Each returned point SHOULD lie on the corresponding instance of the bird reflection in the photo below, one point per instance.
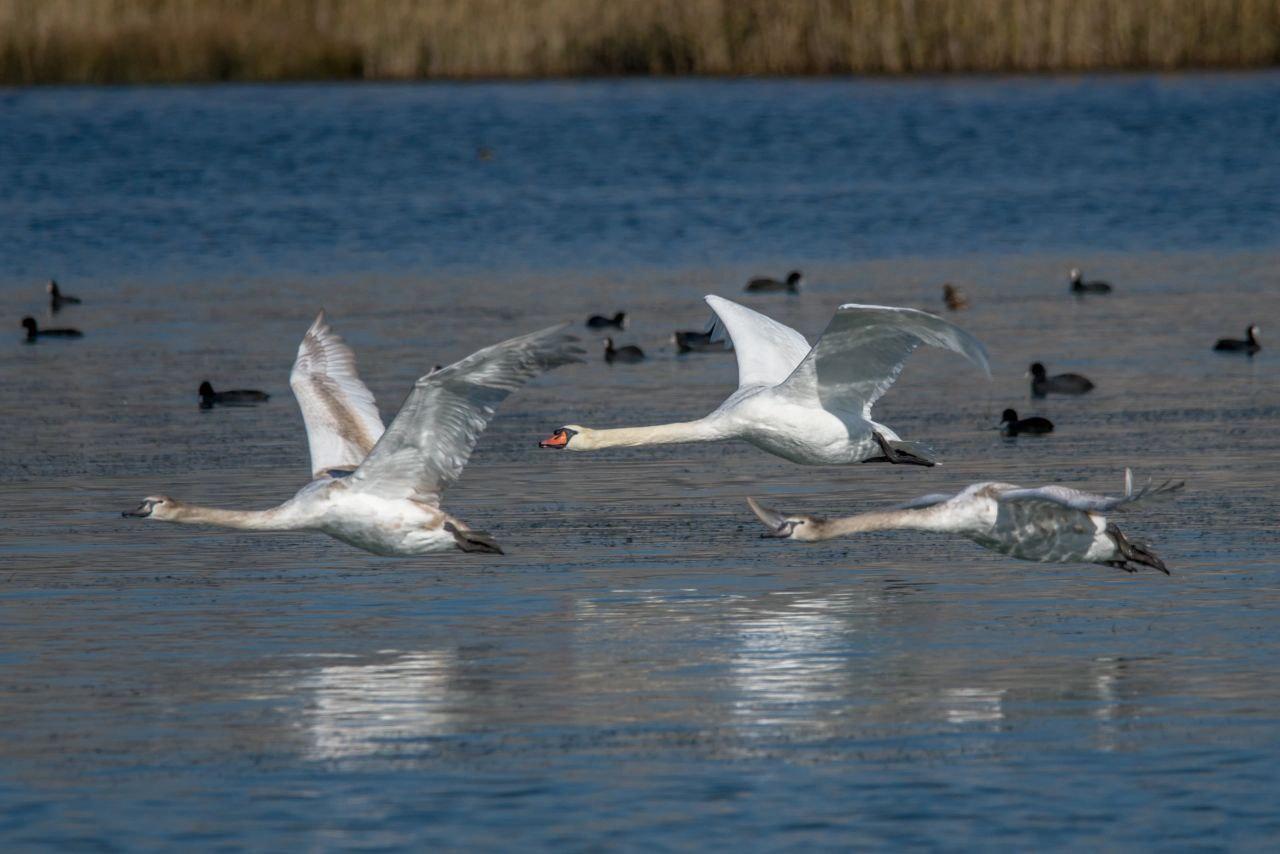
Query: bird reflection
(362, 709)
(972, 705)
(789, 659)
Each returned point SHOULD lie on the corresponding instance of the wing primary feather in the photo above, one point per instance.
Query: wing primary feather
(338, 409)
(430, 440)
(863, 350)
(767, 351)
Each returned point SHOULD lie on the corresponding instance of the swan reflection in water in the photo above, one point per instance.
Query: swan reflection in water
(803, 665)
(972, 705)
(790, 660)
(355, 710)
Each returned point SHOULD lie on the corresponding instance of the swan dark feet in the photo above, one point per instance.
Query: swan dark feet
(473, 541)
(898, 453)
(1133, 556)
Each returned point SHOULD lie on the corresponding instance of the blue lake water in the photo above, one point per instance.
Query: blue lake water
(640, 669)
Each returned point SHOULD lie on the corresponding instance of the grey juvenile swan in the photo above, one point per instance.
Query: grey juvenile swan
(380, 491)
(1049, 524)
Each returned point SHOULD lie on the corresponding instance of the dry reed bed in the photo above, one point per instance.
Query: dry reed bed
(99, 41)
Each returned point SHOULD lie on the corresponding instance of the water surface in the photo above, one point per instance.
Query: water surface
(639, 667)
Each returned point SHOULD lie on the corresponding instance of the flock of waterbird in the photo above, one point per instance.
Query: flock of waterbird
(381, 488)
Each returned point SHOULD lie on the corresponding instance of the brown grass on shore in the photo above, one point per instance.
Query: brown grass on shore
(100, 41)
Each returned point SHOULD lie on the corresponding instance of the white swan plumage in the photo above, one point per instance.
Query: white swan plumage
(380, 490)
(1049, 524)
(808, 404)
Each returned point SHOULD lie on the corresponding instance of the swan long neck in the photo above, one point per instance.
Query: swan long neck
(884, 520)
(702, 430)
(275, 519)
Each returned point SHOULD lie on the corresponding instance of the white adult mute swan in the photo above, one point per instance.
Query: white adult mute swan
(380, 491)
(1050, 524)
(810, 405)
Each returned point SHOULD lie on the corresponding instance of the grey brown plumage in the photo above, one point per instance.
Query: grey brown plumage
(955, 300)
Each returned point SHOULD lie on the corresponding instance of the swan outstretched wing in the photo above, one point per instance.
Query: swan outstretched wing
(1076, 499)
(767, 350)
(338, 409)
(430, 439)
(863, 349)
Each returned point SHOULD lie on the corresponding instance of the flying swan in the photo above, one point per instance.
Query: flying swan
(1049, 524)
(380, 491)
(808, 404)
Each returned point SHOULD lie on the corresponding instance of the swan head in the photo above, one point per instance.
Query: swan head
(787, 526)
(160, 507)
(563, 438)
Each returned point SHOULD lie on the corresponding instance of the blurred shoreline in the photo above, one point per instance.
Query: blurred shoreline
(166, 41)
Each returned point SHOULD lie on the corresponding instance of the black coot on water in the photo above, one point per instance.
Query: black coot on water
(34, 333)
(1080, 286)
(599, 321)
(235, 397)
(688, 341)
(764, 284)
(629, 353)
(1012, 425)
(1041, 384)
(1249, 345)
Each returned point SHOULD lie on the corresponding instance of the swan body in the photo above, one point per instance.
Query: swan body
(807, 404)
(1049, 524)
(380, 490)
(384, 526)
